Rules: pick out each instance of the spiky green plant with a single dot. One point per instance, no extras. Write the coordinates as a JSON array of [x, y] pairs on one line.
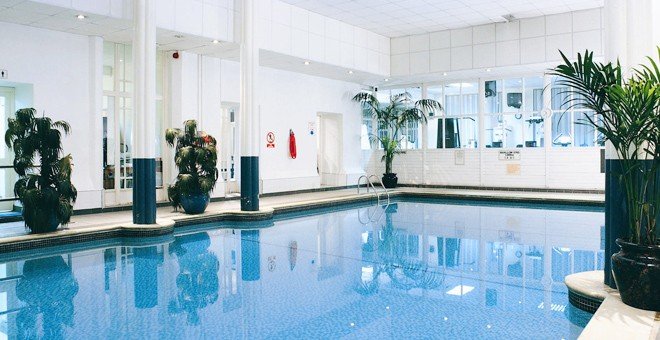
[[627, 115], [44, 188], [392, 118], [195, 158]]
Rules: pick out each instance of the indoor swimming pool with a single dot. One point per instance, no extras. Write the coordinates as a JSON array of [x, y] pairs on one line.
[[412, 269]]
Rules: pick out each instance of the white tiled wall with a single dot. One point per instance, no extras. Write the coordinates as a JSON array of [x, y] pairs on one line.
[[525, 41], [290, 30], [206, 18], [554, 168]]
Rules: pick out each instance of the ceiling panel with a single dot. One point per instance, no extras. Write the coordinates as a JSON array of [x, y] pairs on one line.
[[394, 18]]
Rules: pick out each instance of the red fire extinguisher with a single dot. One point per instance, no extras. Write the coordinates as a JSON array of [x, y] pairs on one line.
[[292, 144]]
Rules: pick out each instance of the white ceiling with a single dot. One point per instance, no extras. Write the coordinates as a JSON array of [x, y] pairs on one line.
[[111, 29], [394, 18]]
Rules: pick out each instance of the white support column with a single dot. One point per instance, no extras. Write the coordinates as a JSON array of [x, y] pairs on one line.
[[249, 111], [144, 117], [424, 133]]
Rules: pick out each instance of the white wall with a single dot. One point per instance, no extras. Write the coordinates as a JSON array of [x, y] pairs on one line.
[[553, 168], [287, 100], [290, 100], [521, 42], [291, 30], [58, 66]]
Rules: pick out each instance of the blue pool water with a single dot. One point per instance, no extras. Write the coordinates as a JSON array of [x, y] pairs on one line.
[[411, 270]]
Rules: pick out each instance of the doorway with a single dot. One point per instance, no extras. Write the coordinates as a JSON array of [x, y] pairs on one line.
[[330, 149], [7, 175], [229, 156]]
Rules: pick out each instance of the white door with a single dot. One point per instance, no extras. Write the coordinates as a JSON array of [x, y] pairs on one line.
[[330, 149], [7, 175]]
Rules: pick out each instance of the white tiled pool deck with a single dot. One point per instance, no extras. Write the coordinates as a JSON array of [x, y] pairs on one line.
[[613, 319], [11, 231]]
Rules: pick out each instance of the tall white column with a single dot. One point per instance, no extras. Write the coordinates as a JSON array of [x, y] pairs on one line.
[[249, 111], [144, 112]]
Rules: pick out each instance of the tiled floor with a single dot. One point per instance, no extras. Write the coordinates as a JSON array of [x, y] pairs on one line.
[[81, 222]]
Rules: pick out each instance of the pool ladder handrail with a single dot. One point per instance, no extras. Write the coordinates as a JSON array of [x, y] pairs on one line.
[[369, 183]]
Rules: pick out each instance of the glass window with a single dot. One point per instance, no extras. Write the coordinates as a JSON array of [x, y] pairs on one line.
[[585, 134], [460, 132], [513, 98], [108, 66], [561, 129], [513, 109], [117, 116], [493, 94], [534, 126], [108, 115]]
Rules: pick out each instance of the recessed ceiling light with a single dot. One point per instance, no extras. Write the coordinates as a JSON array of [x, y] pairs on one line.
[[387, 79], [444, 73], [487, 70], [350, 72], [216, 41], [81, 17], [306, 62]]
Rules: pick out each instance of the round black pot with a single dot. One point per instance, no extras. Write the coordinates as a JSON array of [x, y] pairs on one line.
[[390, 180], [47, 226], [195, 204], [636, 272]]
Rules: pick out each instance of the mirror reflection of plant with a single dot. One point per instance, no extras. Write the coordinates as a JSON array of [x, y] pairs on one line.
[[392, 118], [195, 158], [45, 188], [197, 281], [47, 288], [391, 258], [627, 115]]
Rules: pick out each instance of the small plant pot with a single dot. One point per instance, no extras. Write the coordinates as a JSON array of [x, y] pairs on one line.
[[390, 180], [195, 204], [48, 225], [636, 272]]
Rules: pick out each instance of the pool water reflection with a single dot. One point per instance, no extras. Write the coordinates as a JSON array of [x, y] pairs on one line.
[[409, 270]]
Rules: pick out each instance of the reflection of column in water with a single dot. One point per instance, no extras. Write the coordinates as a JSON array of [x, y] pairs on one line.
[[145, 277], [250, 287], [250, 252]]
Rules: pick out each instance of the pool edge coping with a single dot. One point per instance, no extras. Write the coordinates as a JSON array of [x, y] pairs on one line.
[[167, 226]]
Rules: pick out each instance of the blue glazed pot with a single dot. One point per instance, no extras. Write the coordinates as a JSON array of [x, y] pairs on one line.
[[47, 226], [195, 204]]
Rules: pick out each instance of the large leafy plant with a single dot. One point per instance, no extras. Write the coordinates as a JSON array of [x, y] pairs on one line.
[[196, 158], [45, 188], [627, 115], [392, 118]]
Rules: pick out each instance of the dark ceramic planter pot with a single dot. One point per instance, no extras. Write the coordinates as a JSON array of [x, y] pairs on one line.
[[390, 180], [636, 272], [49, 225], [195, 204]]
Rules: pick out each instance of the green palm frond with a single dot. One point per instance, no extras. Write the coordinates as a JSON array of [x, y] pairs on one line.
[[44, 189], [195, 157]]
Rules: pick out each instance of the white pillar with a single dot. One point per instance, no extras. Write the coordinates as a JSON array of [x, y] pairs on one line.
[[249, 111], [144, 114]]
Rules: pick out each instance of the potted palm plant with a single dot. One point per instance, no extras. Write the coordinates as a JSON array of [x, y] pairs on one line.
[[196, 158], [44, 189], [391, 118], [627, 115]]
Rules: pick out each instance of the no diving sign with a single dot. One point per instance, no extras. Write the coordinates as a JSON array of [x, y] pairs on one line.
[[270, 140]]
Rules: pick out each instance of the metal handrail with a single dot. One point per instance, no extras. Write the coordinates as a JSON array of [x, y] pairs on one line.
[[387, 192], [369, 183]]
